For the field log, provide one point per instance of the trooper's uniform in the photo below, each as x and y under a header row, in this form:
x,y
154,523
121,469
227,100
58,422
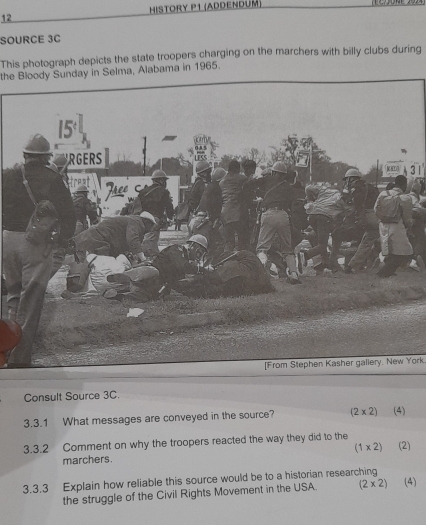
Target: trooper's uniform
x,y
207,221
114,236
277,203
203,171
84,209
231,274
157,201
27,267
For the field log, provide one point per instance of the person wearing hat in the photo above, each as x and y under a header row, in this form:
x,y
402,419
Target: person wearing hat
x,y
234,210
157,201
231,274
207,220
84,209
204,176
59,164
278,198
363,197
27,256
157,277
357,220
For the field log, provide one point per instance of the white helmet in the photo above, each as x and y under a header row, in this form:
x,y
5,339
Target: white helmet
x,y
147,215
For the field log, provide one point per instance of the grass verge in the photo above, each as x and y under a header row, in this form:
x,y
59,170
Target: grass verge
x,y
97,321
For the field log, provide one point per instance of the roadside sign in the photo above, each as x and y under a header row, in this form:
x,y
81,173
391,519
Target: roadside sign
x,y
86,159
302,158
69,131
116,192
202,150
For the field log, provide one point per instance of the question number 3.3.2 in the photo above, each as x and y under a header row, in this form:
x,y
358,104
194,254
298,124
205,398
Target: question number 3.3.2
x,y
36,449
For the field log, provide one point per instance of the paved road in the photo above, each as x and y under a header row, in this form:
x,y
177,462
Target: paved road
x,y
376,331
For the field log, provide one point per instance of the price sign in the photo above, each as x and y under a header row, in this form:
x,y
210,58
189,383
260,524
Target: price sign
x,y
69,130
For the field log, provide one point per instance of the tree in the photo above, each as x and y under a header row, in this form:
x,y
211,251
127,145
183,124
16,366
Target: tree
x,y
173,166
287,152
373,175
255,154
226,159
125,168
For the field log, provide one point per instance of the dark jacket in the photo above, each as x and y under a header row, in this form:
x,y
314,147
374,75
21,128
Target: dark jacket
x,y
197,191
211,201
124,234
364,195
45,184
172,263
155,199
233,204
277,192
84,208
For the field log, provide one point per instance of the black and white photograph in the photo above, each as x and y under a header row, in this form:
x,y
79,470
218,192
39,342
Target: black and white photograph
x,y
243,221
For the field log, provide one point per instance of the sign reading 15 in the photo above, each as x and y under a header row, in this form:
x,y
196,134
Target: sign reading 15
x,y
68,129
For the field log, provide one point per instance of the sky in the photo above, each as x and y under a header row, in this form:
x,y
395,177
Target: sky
x,y
354,123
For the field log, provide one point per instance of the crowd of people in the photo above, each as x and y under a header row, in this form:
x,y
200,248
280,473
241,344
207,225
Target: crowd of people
x,y
244,228
287,224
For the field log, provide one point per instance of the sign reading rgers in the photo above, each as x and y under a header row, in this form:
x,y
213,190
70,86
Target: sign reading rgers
x,y
87,159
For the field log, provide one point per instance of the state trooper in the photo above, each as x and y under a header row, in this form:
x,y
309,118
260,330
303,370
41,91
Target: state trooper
x,y
204,176
278,197
154,199
60,163
38,214
84,209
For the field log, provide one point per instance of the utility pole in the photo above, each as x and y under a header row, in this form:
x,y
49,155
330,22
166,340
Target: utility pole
x,y
377,173
144,156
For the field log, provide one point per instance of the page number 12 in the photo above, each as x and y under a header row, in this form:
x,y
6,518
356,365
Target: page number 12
x,y
6,18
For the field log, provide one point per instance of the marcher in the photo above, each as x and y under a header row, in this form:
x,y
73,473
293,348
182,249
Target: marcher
x,y
364,197
234,214
157,201
324,205
34,196
417,235
84,209
278,198
394,211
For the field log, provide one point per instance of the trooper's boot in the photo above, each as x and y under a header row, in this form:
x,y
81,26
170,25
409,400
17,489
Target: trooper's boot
x,y
293,278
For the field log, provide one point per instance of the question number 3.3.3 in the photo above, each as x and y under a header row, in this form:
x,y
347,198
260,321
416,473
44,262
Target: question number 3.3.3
x,y
35,489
